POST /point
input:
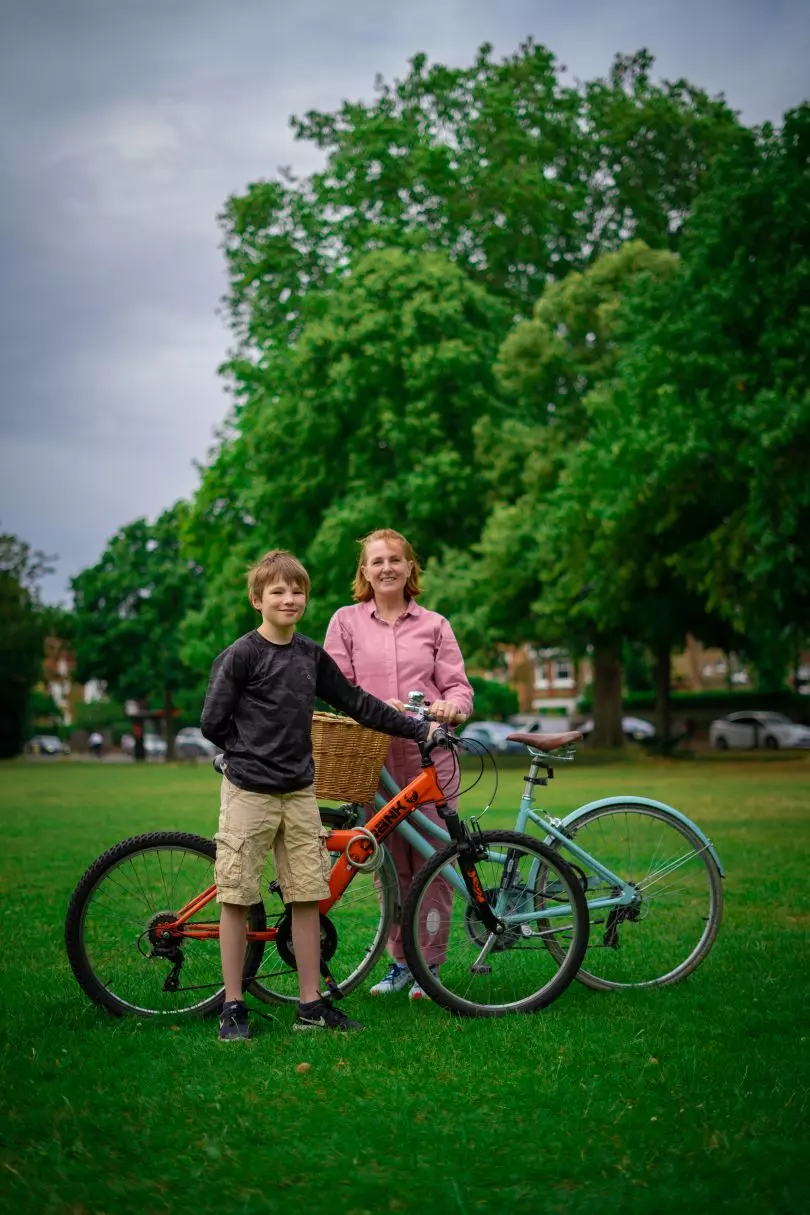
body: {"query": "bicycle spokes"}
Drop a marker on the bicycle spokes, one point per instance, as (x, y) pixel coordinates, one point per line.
(532, 897)
(672, 922)
(124, 935)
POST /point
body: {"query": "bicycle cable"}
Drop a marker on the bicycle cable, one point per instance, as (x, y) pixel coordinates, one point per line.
(473, 746)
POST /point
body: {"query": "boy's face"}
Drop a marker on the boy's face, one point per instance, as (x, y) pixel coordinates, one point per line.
(281, 604)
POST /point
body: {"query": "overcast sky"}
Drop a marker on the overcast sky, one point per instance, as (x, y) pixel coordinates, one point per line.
(127, 123)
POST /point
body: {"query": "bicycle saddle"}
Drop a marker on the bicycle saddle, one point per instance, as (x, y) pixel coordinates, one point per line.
(546, 742)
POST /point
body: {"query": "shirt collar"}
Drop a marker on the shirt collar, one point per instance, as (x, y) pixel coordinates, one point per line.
(411, 608)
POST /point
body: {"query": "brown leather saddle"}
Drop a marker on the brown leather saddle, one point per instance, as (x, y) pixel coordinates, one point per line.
(546, 742)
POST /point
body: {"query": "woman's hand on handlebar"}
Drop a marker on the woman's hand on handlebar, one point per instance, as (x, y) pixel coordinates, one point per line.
(447, 713)
(443, 711)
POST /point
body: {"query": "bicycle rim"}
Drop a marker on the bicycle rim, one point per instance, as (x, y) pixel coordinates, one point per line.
(673, 927)
(358, 927)
(113, 929)
(482, 975)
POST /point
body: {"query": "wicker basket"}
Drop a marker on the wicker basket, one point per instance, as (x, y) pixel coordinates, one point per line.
(348, 758)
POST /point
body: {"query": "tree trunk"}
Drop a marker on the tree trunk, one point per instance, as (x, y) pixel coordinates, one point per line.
(607, 695)
(663, 668)
(168, 718)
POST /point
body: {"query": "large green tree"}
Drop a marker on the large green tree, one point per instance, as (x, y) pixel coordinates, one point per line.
(509, 177)
(23, 625)
(548, 366)
(514, 173)
(128, 611)
(368, 422)
(691, 486)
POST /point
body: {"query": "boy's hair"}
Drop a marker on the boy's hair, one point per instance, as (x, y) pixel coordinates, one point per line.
(277, 566)
(361, 588)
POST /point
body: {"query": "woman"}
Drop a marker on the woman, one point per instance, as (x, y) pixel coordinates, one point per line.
(389, 646)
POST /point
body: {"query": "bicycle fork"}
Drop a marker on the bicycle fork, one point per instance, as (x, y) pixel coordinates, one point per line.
(470, 851)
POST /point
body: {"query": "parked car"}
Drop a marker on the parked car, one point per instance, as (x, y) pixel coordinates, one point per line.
(191, 744)
(493, 735)
(46, 744)
(742, 731)
(635, 729)
(540, 723)
(153, 745)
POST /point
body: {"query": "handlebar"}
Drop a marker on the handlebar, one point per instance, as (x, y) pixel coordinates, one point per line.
(417, 706)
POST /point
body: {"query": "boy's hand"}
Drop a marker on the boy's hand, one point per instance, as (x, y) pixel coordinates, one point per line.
(396, 704)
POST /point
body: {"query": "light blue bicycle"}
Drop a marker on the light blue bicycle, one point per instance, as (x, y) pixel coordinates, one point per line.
(651, 878)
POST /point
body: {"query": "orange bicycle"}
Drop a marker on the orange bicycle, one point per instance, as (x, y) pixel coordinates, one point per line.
(142, 937)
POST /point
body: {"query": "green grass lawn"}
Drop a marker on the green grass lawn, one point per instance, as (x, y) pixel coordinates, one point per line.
(690, 1098)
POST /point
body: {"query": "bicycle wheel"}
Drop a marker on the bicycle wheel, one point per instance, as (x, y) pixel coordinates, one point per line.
(668, 932)
(113, 921)
(353, 934)
(481, 975)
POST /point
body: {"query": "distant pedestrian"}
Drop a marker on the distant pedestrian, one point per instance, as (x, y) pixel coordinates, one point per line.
(95, 744)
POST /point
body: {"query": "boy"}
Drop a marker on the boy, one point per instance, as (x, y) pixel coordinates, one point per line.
(258, 708)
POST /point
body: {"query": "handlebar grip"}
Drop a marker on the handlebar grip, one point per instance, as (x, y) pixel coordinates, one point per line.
(441, 737)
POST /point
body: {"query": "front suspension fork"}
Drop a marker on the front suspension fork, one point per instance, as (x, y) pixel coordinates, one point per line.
(470, 851)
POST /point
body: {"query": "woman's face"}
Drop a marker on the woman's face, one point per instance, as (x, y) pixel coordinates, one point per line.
(386, 567)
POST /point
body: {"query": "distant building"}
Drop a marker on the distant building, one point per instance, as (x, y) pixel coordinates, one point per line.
(701, 669)
(544, 678)
(58, 666)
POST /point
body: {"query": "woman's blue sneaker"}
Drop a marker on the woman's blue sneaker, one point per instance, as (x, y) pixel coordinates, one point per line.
(397, 979)
(416, 992)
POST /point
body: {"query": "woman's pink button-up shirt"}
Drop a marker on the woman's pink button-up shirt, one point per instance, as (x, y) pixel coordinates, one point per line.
(417, 653)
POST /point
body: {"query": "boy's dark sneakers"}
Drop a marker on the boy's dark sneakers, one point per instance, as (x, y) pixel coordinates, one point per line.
(323, 1015)
(233, 1022)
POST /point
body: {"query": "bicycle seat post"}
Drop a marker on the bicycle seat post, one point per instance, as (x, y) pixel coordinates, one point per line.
(534, 777)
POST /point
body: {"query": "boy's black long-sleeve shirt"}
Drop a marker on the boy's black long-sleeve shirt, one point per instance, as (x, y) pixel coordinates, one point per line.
(259, 707)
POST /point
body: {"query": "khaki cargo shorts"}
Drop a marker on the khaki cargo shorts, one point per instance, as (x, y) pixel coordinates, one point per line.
(250, 824)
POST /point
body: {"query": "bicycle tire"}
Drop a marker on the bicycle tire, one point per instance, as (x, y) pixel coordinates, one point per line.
(361, 920)
(671, 952)
(81, 935)
(456, 971)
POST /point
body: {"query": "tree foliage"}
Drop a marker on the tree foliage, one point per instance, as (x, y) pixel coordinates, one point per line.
(368, 299)
(367, 421)
(699, 445)
(22, 634)
(687, 503)
(512, 173)
(128, 611)
(556, 333)
(548, 366)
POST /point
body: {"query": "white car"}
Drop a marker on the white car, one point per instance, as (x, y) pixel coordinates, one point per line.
(46, 744)
(154, 746)
(634, 728)
(743, 731)
(190, 743)
(493, 736)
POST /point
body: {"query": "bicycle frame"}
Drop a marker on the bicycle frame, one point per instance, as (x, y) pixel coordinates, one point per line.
(401, 814)
(555, 830)
(392, 815)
